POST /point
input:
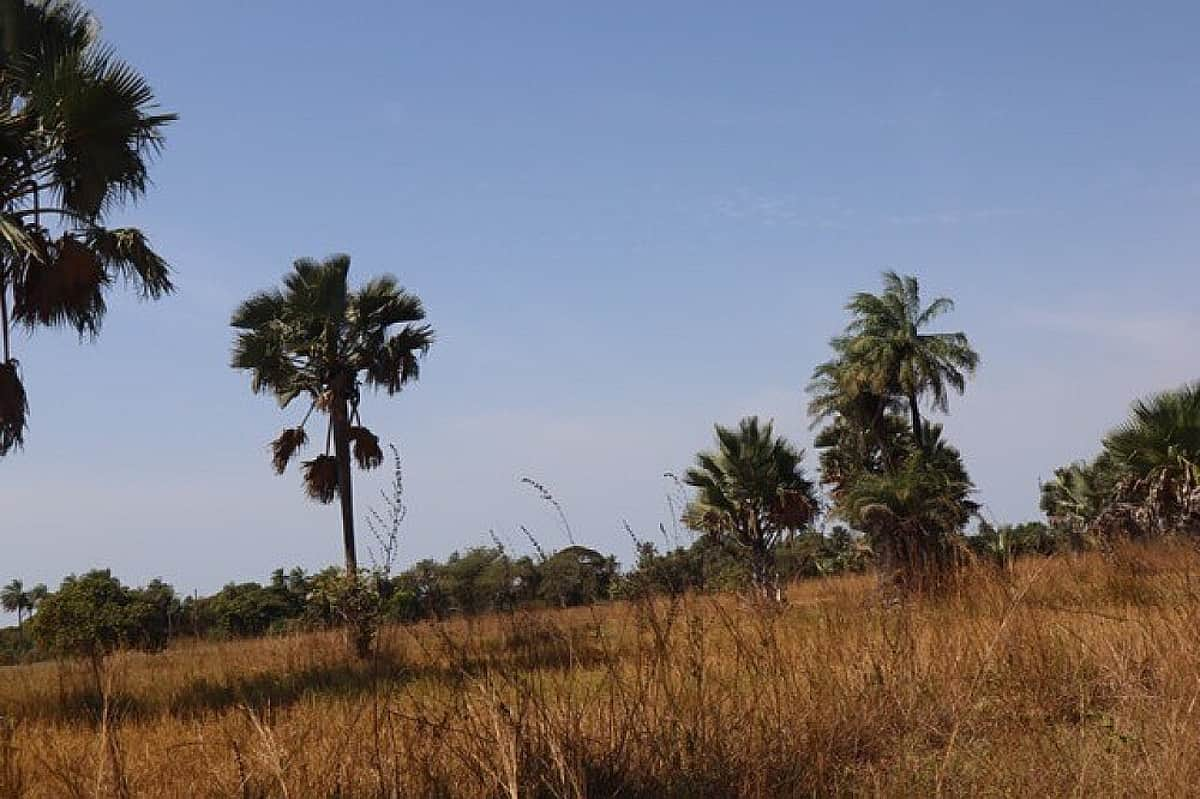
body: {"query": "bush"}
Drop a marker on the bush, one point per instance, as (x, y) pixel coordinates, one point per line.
(91, 615)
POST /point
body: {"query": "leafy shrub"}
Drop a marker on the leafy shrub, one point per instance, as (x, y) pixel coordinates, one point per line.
(93, 614)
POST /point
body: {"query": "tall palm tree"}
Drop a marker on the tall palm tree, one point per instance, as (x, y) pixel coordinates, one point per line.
(319, 339)
(888, 349)
(750, 492)
(78, 129)
(14, 599)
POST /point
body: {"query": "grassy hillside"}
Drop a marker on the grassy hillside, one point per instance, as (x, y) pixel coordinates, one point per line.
(1075, 675)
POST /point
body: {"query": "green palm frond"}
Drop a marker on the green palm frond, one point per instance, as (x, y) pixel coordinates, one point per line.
(751, 486)
(126, 252)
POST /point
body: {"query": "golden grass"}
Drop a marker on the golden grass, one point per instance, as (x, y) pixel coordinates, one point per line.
(1074, 676)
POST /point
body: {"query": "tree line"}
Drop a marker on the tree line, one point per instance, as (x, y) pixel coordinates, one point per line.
(94, 613)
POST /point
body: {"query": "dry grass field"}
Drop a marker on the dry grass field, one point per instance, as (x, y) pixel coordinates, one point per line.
(1071, 676)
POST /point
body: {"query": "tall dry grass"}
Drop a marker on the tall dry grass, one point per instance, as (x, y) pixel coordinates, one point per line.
(1073, 676)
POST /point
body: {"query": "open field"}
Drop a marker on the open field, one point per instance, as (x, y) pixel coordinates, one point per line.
(1074, 676)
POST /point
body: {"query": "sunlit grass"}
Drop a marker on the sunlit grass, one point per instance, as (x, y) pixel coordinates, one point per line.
(1071, 676)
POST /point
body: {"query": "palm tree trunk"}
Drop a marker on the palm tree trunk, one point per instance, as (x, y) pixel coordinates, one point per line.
(341, 448)
(914, 408)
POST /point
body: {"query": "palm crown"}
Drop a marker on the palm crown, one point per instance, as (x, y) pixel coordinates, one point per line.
(888, 351)
(77, 132)
(316, 334)
(1163, 431)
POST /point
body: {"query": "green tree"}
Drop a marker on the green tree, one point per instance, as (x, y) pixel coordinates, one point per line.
(78, 129)
(319, 339)
(577, 576)
(751, 492)
(93, 614)
(888, 351)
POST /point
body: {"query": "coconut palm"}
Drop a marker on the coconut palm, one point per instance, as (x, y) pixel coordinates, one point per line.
(320, 340)
(78, 129)
(750, 492)
(887, 348)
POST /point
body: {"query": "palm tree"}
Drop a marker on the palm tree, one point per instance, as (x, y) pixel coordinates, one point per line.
(1157, 452)
(887, 350)
(913, 513)
(750, 492)
(77, 133)
(1163, 432)
(14, 599)
(1077, 494)
(318, 339)
(840, 392)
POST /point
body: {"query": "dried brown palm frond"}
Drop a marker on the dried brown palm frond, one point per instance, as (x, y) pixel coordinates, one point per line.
(321, 479)
(284, 447)
(793, 509)
(65, 286)
(367, 452)
(14, 407)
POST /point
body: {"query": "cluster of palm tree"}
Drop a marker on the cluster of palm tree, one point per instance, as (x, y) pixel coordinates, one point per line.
(78, 128)
(1145, 481)
(14, 598)
(889, 471)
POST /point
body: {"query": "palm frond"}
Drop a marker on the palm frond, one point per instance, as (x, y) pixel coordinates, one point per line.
(127, 252)
(14, 407)
(367, 452)
(64, 287)
(285, 446)
(321, 479)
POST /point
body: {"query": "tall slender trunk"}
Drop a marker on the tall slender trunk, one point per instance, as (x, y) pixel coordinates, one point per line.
(918, 433)
(341, 448)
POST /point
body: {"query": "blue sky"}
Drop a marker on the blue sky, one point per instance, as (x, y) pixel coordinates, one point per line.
(627, 221)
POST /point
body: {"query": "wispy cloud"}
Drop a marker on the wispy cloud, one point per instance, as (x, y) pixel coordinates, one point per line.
(783, 209)
(954, 216)
(1154, 333)
(830, 213)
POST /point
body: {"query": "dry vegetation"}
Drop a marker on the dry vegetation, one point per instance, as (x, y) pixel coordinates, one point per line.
(1072, 676)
